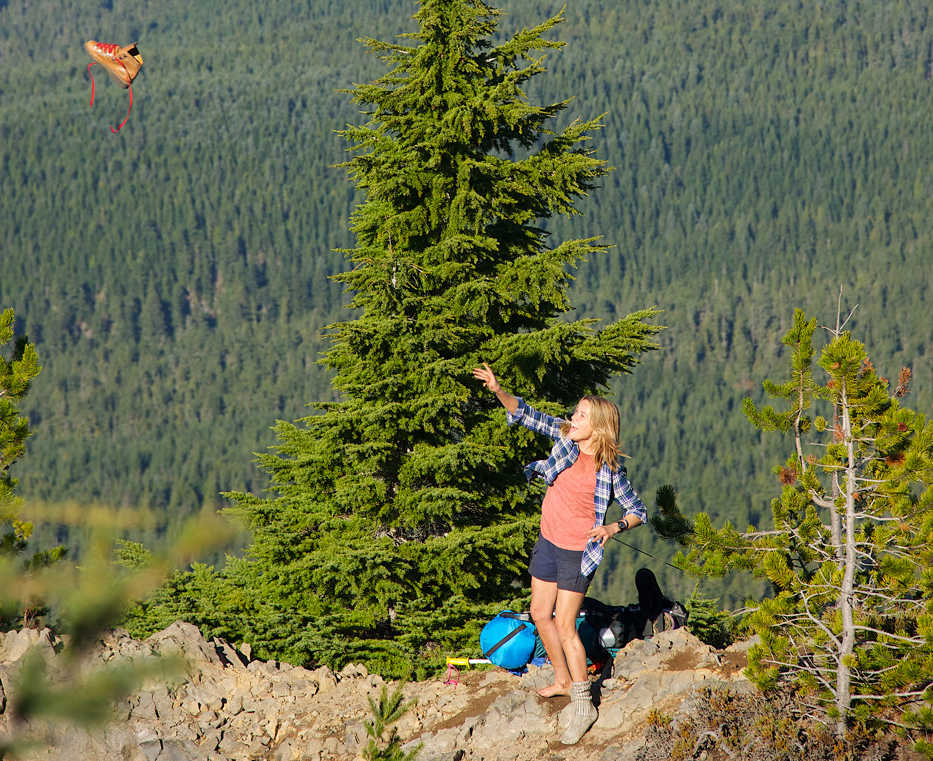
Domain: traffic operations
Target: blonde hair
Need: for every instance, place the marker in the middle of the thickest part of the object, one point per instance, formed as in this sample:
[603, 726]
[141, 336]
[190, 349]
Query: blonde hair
[604, 419]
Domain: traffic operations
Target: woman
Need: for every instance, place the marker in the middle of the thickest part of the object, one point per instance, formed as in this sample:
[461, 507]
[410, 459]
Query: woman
[583, 475]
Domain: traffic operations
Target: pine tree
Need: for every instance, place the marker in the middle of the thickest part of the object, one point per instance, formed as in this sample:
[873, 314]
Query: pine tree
[401, 517]
[16, 374]
[386, 711]
[849, 557]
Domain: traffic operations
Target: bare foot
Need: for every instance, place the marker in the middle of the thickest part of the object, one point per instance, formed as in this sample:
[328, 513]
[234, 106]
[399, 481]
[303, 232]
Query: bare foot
[554, 690]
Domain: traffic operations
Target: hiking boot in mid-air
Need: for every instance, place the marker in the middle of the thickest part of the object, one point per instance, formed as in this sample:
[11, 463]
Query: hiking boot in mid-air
[122, 63]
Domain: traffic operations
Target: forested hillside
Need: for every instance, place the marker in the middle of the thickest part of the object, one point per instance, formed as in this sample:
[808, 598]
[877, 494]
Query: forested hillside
[175, 277]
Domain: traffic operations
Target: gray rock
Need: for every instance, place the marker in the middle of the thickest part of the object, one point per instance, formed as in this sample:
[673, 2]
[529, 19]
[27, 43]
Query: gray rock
[538, 677]
[179, 750]
[144, 707]
[494, 734]
[191, 705]
[15, 644]
[676, 650]
[267, 668]
[210, 740]
[229, 656]
[119, 643]
[435, 745]
[151, 749]
[184, 638]
[234, 704]
[466, 731]
[146, 733]
[353, 671]
[356, 737]
[324, 678]
[241, 726]
[162, 700]
[743, 646]
[628, 752]
[258, 748]
[120, 740]
[330, 748]
[262, 709]
[231, 747]
[208, 699]
[287, 750]
[290, 670]
[651, 689]
[208, 720]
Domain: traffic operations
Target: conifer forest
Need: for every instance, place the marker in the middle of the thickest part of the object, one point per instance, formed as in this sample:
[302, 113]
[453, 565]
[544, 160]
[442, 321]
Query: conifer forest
[192, 283]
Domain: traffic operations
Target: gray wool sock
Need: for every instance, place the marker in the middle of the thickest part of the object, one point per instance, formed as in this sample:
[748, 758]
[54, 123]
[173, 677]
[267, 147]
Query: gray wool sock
[580, 697]
[583, 714]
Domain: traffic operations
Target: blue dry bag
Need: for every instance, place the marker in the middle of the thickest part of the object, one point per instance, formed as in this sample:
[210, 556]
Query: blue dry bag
[508, 640]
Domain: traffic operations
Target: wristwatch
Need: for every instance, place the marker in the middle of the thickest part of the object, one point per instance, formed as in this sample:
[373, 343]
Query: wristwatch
[623, 525]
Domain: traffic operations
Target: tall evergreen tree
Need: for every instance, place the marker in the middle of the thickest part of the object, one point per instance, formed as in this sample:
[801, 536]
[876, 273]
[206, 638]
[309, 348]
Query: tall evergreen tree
[401, 516]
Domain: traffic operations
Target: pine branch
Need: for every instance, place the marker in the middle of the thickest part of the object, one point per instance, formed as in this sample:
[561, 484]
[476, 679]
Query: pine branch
[917, 641]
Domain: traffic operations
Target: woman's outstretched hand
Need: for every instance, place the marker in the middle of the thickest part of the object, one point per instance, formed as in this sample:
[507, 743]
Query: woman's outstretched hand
[486, 375]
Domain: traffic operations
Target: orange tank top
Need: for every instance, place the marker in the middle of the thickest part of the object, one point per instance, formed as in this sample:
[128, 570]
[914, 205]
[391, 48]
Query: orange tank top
[568, 511]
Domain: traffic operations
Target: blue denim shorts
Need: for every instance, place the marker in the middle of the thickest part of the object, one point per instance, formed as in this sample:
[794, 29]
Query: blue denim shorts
[552, 563]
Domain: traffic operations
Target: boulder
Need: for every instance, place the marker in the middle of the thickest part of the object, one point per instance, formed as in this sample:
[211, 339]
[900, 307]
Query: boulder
[229, 655]
[674, 650]
[184, 639]
[15, 644]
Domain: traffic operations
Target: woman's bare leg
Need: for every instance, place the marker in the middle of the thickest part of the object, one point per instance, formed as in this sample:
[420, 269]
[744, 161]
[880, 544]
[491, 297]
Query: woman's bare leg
[582, 712]
[567, 608]
[544, 596]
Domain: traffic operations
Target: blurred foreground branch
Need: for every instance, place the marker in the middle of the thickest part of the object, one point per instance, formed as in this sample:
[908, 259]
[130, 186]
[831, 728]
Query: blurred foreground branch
[83, 600]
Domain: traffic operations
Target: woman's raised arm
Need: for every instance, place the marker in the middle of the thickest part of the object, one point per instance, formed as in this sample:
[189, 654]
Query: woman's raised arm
[488, 377]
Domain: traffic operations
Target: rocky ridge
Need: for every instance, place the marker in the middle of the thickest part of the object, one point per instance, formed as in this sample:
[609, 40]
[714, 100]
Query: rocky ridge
[230, 707]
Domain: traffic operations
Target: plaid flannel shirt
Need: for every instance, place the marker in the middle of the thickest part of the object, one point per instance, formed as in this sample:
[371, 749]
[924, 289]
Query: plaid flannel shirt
[609, 483]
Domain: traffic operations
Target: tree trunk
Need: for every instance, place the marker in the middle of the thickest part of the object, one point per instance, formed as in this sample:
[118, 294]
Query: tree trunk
[847, 642]
[835, 523]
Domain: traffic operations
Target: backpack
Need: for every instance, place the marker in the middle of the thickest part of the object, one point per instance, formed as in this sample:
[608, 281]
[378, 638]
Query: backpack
[614, 626]
[670, 618]
[609, 627]
[508, 640]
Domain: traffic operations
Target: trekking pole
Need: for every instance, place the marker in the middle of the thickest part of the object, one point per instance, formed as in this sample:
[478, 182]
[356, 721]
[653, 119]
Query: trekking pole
[633, 547]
